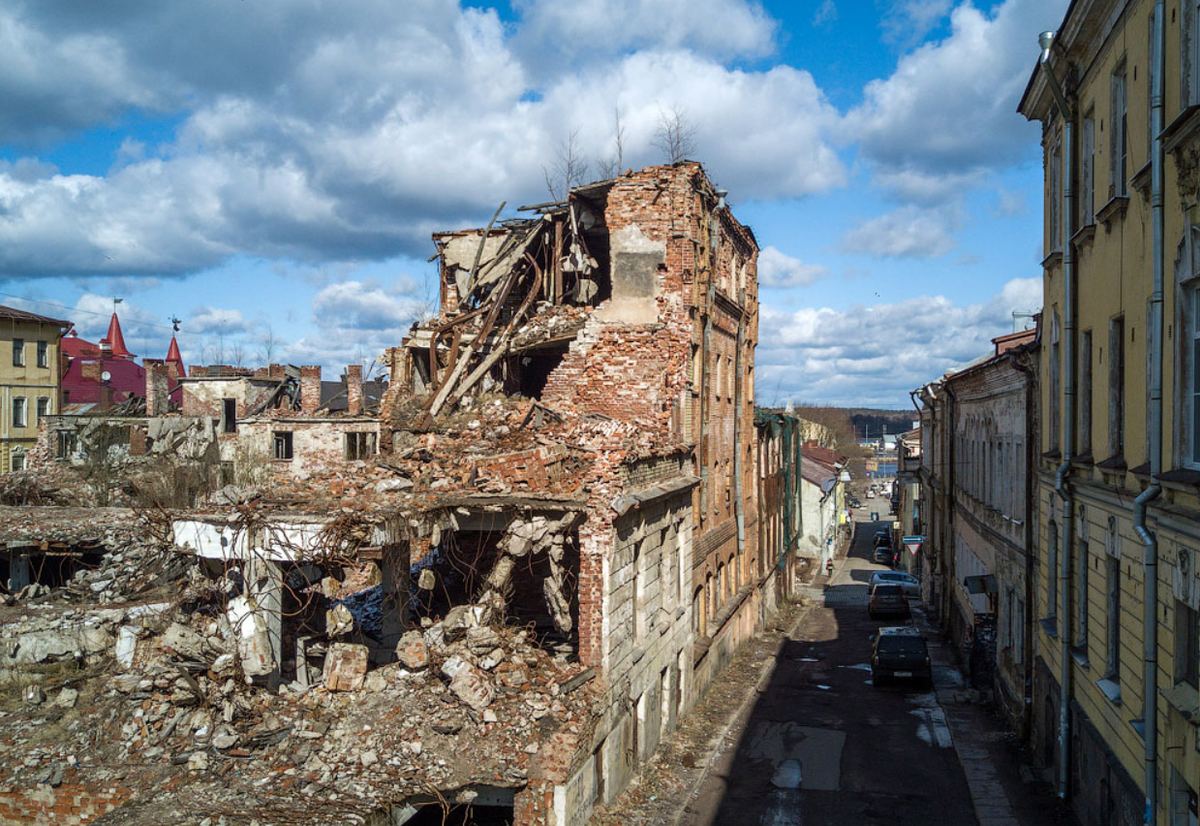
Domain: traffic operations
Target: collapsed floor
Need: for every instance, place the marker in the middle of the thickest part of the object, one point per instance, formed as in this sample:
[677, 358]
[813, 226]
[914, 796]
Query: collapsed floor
[142, 692]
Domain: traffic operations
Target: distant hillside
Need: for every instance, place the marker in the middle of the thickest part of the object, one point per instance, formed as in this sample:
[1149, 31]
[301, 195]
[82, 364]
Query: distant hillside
[877, 422]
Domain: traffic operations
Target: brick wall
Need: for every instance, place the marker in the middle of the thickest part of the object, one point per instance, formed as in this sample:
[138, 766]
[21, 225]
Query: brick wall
[70, 804]
[310, 389]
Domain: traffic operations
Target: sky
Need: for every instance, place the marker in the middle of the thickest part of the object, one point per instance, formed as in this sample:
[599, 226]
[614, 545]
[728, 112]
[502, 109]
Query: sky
[269, 172]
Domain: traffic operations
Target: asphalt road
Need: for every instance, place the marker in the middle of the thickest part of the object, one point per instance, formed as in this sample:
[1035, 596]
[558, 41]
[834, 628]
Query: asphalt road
[822, 745]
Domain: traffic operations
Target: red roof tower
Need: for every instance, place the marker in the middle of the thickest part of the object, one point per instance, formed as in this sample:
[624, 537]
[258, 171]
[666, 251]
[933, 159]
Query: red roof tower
[174, 355]
[115, 340]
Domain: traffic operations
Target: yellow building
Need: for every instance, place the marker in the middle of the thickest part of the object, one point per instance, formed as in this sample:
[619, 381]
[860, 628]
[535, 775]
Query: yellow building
[1117, 639]
[30, 380]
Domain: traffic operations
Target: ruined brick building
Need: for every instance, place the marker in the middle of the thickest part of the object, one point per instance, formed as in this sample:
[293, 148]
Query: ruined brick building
[573, 514]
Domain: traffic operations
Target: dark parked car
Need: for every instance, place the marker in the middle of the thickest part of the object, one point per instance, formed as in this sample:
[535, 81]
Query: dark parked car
[883, 555]
[888, 600]
[882, 537]
[900, 652]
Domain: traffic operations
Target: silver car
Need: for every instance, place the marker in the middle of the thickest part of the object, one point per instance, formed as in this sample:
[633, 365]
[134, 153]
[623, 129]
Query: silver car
[910, 584]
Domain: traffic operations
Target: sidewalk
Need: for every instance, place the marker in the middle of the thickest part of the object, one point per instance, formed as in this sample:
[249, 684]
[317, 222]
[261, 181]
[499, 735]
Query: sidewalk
[989, 753]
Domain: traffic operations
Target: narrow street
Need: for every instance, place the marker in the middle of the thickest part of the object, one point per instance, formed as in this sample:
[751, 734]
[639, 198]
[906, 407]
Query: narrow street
[808, 739]
[860, 754]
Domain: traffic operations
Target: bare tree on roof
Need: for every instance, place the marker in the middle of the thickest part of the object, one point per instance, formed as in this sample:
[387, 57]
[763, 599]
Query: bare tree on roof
[675, 136]
[569, 169]
[612, 166]
[268, 345]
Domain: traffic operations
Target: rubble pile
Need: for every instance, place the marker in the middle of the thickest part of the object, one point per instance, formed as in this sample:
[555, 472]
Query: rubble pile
[151, 698]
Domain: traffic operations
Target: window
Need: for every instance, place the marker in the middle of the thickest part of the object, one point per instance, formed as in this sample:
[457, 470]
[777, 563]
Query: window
[19, 413]
[1056, 191]
[1187, 644]
[359, 445]
[18, 460]
[1055, 359]
[639, 593]
[1118, 160]
[1116, 387]
[1052, 574]
[1087, 175]
[1081, 597]
[18, 352]
[1188, 44]
[1112, 667]
[229, 417]
[1085, 392]
[43, 354]
[282, 440]
[65, 444]
[1191, 376]
[43, 408]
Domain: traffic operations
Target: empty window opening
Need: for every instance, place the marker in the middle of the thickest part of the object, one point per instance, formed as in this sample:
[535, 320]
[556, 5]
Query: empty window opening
[432, 814]
[229, 416]
[282, 449]
[359, 446]
[534, 369]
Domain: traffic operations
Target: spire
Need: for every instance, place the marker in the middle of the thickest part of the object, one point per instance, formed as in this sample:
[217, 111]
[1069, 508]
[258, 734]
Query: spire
[116, 341]
[174, 355]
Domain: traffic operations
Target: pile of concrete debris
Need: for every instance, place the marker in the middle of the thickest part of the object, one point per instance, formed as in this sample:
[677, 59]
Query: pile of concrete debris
[151, 699]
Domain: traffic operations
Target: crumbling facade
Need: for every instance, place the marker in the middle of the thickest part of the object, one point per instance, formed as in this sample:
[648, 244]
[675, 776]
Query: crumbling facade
[561, 519]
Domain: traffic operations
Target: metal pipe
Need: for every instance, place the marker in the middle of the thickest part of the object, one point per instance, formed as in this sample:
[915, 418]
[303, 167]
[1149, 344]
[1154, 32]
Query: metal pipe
[739, 507]
[1155, 412]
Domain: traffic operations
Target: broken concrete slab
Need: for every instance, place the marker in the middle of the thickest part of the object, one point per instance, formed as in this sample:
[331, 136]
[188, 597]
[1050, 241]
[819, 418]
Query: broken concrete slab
[412, 651]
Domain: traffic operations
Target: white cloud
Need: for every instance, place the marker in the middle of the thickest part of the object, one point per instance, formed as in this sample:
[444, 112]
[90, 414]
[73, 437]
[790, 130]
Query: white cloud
[778, 269]
[948, 110]
[366, 305]
[908, 21]
[876, 354]
[718, 28]
[826, 14]
[332, 143]
[217, 321]
[907, 232]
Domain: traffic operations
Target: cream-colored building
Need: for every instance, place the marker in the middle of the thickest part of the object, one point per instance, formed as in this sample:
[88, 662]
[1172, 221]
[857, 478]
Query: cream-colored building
[1117, 599]
[30, 380]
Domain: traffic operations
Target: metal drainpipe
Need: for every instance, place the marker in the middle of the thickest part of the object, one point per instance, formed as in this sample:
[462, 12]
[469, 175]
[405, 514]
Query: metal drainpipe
[1148, 539]
[1068, 450]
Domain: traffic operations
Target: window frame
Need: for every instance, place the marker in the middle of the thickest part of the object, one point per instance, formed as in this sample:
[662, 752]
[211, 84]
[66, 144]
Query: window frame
[1085, 392]
[18, 352]
[1118, 132]
[20, 412]
[1187, 645]
[1116, 386]
[43, 354]
[282, 441]
[42, 408]
[1087, 173]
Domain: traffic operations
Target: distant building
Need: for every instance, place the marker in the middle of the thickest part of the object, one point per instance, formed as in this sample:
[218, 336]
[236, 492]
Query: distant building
[30, 378]
[102, 375]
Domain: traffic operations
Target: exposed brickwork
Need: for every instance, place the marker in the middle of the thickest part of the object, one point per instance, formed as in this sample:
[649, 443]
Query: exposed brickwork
[310, 389]
[354, 389]
[70, 804]
[157, 388]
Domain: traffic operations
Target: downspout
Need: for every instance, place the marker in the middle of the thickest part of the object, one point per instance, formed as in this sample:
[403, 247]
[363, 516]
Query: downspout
[1068, 420]
[1148, 539]
[705, 369]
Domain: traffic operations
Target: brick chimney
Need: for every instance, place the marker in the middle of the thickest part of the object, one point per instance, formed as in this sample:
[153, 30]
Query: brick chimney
[310, 389]
[158, 394]
[354, 390]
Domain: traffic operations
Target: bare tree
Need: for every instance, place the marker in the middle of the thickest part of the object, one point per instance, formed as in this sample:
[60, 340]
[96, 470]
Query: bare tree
[612, 166]
[675, 136]
[569, 169]
[268, 345]
[237, 354]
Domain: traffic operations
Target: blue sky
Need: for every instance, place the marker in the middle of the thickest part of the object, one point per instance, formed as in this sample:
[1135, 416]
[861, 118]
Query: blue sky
[272, 177]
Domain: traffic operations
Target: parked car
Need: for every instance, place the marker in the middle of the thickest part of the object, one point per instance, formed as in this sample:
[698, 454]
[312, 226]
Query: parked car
[907, 582]
[900, 652]
[887, 600]
[882, 537]
[883, 555]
